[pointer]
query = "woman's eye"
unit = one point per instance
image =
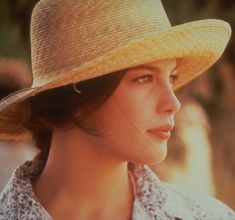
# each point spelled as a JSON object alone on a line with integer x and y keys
{"x": 173, "y": 79}
{"x": 145, "y": 79}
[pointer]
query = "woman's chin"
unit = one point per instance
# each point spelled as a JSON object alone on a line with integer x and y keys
{"x": 157, "y": 154}
{"x": 153, "y": 156}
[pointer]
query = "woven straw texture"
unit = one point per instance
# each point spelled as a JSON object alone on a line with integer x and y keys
{"x": 77, "y": 40}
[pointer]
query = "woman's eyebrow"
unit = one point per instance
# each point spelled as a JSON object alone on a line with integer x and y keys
{"x": 150, "y": 68}
{"x": 153, "y": 69}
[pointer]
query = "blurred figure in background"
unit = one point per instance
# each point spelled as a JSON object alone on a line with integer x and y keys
{"x": 14, "y": 75}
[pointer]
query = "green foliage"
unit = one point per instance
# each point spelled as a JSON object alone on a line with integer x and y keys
{"x": 14, "y": 26}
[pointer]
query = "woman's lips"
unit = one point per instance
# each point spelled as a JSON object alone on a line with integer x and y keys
{"x": 162, "y": 133}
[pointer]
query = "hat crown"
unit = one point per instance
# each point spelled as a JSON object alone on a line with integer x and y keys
{"x": 68, "y": 33}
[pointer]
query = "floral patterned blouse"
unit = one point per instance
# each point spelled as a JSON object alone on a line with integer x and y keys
{"x": 154, "y": 199}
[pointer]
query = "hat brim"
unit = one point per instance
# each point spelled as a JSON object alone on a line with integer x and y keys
{"x": 18, "y": 135}
{"x": 197, "y": 44}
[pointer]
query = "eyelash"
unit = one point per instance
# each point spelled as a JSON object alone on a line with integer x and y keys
{"x": 149, "y": 79}
{"x": 173, "y": 79}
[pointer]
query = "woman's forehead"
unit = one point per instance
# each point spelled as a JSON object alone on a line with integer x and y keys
{"x": 168, "y": 65}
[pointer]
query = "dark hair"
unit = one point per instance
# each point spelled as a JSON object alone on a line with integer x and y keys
{"x": 55, "y": 107}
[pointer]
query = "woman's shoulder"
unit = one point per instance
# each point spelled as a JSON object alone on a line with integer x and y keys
{"x": 196, "y": 204}
{"x": 17, "y": 200}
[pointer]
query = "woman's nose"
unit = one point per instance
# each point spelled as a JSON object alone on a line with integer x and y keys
{"x": 169, "y": 103}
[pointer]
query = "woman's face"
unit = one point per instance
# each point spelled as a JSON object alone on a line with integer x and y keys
{"x": 136, "y": 121}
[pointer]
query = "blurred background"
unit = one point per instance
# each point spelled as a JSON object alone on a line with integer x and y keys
{"x": 202, "y": 148}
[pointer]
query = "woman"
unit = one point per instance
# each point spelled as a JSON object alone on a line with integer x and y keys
{"x": 101, "y": 107}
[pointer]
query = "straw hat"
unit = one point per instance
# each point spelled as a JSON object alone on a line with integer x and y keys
{"x": 77, "y": 40}
{"x": 15, "y": 74}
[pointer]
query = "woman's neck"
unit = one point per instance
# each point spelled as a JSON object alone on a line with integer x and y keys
{"x": 83, "y": 183}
